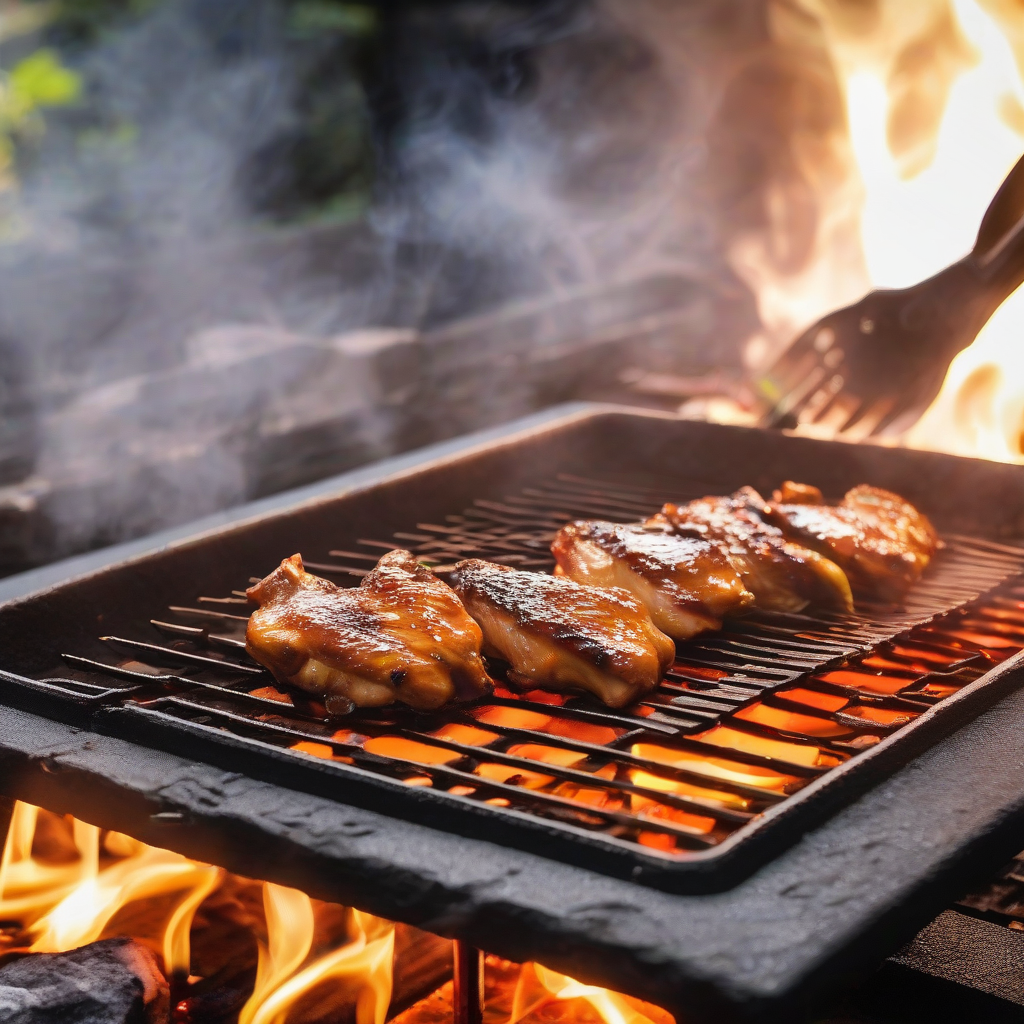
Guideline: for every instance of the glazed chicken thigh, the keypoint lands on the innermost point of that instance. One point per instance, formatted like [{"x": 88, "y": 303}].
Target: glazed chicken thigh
[
  {"x": 686, "y": 583},
  {"x": 881, "y": 541},
  {"x": 402, "y": 635},
  {"x": 559, "y": 634},
  {"x": 781, "y": 574}
]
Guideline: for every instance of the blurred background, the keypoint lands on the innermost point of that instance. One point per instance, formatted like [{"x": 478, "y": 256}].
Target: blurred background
[{"x": 246, "y": 244}]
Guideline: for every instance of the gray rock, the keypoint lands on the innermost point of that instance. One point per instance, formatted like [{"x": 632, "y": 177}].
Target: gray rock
[{"x": 115, "y": 981}]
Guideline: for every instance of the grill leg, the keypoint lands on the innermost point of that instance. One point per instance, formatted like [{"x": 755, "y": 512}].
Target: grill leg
[{"x": 468, "y": 994}]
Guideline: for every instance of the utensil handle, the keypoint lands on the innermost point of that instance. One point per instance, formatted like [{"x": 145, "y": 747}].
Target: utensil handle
[{"x": 999, "y": 248}]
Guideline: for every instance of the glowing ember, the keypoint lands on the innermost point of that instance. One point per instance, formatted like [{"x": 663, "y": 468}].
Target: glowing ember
[
  {"x": 814, "y": 698},
  {"x": 712, "y": 796},
  {"x": 866, "y": 681},
  {"x": 516, "y": 776},
  {"x": 410, "y": 750},
  {"x": 790, "y": 721},
  {"x": 794, "y": 753},
  {"x": 716, "y": 768}
]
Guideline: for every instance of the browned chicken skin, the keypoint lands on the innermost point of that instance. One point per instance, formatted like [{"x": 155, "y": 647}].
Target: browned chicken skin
[
  {"x": 781, "y": 574},
  {"x": 402, "y": 635},
  {"x": 558, "y": 634},
  {"x": 881, "y": 541},
  {"x": 686, "y": 583}
]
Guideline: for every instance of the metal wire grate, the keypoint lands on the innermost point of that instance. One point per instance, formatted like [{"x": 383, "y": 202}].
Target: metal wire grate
[{"x": 744, "y": 721}]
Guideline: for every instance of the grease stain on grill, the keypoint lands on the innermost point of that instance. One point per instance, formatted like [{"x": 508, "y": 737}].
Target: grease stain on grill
[{"x": 748, "y": 719}]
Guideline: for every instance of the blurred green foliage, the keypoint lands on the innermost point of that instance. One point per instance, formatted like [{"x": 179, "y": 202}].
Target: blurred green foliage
[
  {"x": 312, "y": 17},
  {"x": 320, "y": 166},
  {"x": 37, "y": 81},
  {"x": 41, "y": 80}
]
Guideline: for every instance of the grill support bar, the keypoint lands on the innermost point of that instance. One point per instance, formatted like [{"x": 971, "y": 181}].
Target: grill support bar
[{"x": 467, "y": 983}]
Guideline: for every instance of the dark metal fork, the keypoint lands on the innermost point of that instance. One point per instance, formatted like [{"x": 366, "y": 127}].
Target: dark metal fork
[{"x": 881, "y": 361}]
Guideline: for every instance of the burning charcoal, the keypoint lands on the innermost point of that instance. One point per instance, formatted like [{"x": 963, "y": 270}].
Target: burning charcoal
[{"x": 115, "y": 981}]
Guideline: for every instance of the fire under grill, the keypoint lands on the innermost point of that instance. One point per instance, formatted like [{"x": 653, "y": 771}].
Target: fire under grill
[{"x": 771, "y": 717}]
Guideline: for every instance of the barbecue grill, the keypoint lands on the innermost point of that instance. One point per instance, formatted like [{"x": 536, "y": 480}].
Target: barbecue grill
[{"x": 800, "y": 794}]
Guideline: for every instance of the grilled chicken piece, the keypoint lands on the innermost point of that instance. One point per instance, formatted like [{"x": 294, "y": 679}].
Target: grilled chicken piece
[
  {"x": 881, "y": 541},
  {"x": 686, "y": 583},
  {"x": 561, "y": 635},
  {"x": 782, "y": 575},
  {"x": 401, "y": 635}
]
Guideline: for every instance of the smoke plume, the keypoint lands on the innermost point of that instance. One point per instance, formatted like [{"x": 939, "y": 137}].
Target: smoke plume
[{"x": 248, "y": 254}]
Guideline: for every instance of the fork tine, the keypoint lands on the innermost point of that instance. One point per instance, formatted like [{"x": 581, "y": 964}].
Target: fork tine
[
  {"x": 832, "y": 391},
  {"x": 865, "y": 420},
  {"x": 831, "y": 395},
  {"x": 792, "y": 403},
  {"x": 895, "y": 414},
  {"x": 786, "y": 375},
  {"x": 838, "y": 411},
  {"x": 856, "y": 411},
  {"x": 815, "y": 405}
]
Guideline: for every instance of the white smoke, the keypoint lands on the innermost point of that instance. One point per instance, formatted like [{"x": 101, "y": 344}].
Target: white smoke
[{"x": 184, "y": 352}]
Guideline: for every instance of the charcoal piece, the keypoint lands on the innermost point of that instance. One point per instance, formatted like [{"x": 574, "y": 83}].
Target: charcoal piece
[{"x": 115, "y": 981}]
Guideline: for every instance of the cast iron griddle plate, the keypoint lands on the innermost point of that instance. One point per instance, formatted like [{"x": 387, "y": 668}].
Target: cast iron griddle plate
[{"x": 187, "y": 697}]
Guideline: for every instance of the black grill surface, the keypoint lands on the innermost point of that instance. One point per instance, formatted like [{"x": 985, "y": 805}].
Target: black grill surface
[{"x": 754, "y": 726}]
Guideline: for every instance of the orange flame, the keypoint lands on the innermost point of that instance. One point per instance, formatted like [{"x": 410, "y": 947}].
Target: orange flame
[
  {"x": 538, "y": 985},
  {"x": 908, "y": 118},
  {"x": 65, "y": 906},
  {"x": 532, "y": 994},
  {"x": 366, "y": 961},
  {"x": 62, "y": 906},
  {"x": 935, "y": 108}
]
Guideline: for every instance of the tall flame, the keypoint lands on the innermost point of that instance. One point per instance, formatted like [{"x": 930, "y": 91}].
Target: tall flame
[
  {"x": 926, "y": 185},
  {"x": 290, "y": 937},
  {"x": 67, "y": 905},
  {"x": 935, "y": 110},
  {"x": 84, "y": 913},
  {"x": 366, "y": 960}
]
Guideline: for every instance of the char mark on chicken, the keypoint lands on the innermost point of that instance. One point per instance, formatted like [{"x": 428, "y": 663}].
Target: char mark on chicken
[
  {"x": 558, "y": 634},
  {"x": 686, "y": 583},
  {"x": 881, "y": 541},
  {"x": 783, "y": 575}
]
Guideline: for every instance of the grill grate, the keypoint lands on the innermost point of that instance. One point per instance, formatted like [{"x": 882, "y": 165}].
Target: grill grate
[
  {"x": 773, "y": 706},
  {"x": 1002, "y": 900}
]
